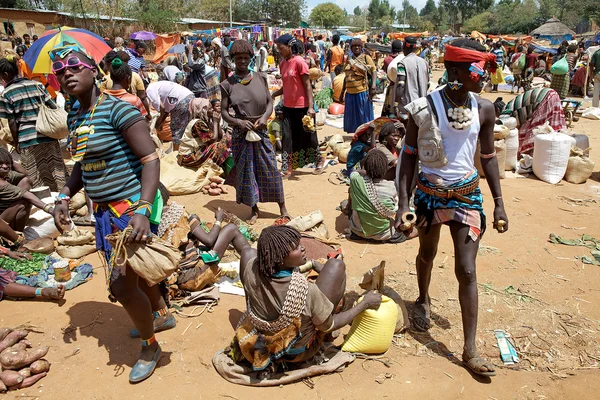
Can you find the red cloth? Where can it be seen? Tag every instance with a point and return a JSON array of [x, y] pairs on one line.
[[550, 110], [530, 60], [294, 92], [458, 54]]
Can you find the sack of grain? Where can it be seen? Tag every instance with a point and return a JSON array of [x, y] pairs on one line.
[[512, 148], [500, 132], [551, 155], [500, 147], [579, 167], [75, 252]]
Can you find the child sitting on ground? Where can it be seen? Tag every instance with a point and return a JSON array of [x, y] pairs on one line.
[[15, 198]]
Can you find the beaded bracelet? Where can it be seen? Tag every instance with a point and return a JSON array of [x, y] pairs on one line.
[[62, 197]]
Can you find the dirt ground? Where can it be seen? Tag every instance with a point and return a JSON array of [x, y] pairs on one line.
[[537, 291]]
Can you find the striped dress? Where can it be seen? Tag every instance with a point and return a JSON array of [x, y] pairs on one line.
[[40, 155]]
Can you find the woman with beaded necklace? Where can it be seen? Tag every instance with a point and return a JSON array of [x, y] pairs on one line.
[[442, 133], [116, 164], [256, 178]]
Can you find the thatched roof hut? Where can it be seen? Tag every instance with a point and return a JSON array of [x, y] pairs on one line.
[[554, 31]]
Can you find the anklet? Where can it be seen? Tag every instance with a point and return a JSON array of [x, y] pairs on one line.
[[161, 313], [149, 342], [38, 292]]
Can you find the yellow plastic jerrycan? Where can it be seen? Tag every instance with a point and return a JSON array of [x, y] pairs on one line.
[[372, 330]]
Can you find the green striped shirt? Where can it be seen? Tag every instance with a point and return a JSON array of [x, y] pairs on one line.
[[20, 101]]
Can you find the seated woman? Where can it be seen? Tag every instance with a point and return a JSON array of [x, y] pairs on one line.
[[288, 316], [15, 198], [389, 136], [206, 136], [373, 201], [361, 144], [533, 108], [8, 286]]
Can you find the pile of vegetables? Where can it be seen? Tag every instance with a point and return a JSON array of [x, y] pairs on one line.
[[216, 186], [324, 98], [24, 267], [21, 366]]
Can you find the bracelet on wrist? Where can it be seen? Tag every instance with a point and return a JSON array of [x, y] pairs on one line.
[[218, 223], [62, 197], [47, 207], [142, 208]]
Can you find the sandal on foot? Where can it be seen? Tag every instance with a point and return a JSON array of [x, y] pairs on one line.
[[142, 370], [474, 365], [168, 324], [421, 317]]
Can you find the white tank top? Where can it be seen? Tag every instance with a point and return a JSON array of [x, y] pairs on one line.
[[459, 145]]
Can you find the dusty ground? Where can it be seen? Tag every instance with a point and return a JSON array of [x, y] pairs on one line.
[[537, 291]]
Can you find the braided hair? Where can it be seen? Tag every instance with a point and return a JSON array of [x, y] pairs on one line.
[[375, 164], [274, 244]]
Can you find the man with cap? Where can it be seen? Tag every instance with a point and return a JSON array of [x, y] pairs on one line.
[[390, 66], [412, 78]]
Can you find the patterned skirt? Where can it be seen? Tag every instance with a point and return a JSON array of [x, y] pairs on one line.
[[299, 148], [432, 210], [561, 83], [255, 174], [45, 166]]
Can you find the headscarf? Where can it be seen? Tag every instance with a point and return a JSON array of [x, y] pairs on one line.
[[171, 72], [199, 108], [217, 42], [479, 58]]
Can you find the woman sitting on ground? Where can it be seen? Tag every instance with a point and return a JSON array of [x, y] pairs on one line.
[[533, 108], [361, 144], [206, 136], [15, 198], [373, 202], [390, 134], [271, 278]]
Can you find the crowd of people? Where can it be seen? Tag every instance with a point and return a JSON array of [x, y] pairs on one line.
[[214, 104]]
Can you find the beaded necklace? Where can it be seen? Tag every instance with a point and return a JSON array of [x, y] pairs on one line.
[[245, 80], [461, 117], [79, 137]]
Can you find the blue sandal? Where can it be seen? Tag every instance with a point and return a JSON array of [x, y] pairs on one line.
[[142, 370]]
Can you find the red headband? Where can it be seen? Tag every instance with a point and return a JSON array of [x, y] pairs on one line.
[[458, 54]]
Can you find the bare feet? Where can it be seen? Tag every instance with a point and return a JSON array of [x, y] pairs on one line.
[[57, 293], [254, 216], [421, 315]]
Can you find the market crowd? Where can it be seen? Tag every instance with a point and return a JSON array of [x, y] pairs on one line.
[[250, 108]]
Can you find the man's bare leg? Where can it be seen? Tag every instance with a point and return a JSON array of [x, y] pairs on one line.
[[465, 255], [428, 245]]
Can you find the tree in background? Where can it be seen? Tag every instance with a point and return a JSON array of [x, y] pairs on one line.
[[357, 12], [378, 10], [327, 15]]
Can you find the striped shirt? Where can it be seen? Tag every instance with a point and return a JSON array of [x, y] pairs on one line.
[[110, 169], [357, 74], [20, 101], [136, 62]]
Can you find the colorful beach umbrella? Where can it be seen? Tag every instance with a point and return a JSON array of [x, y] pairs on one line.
[[38, 59], [143, 35]]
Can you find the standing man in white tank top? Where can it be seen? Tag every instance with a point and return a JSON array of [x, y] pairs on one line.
[[448, 186]]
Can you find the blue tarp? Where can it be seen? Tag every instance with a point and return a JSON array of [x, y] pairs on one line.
[[541, 49], [556, 39]]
